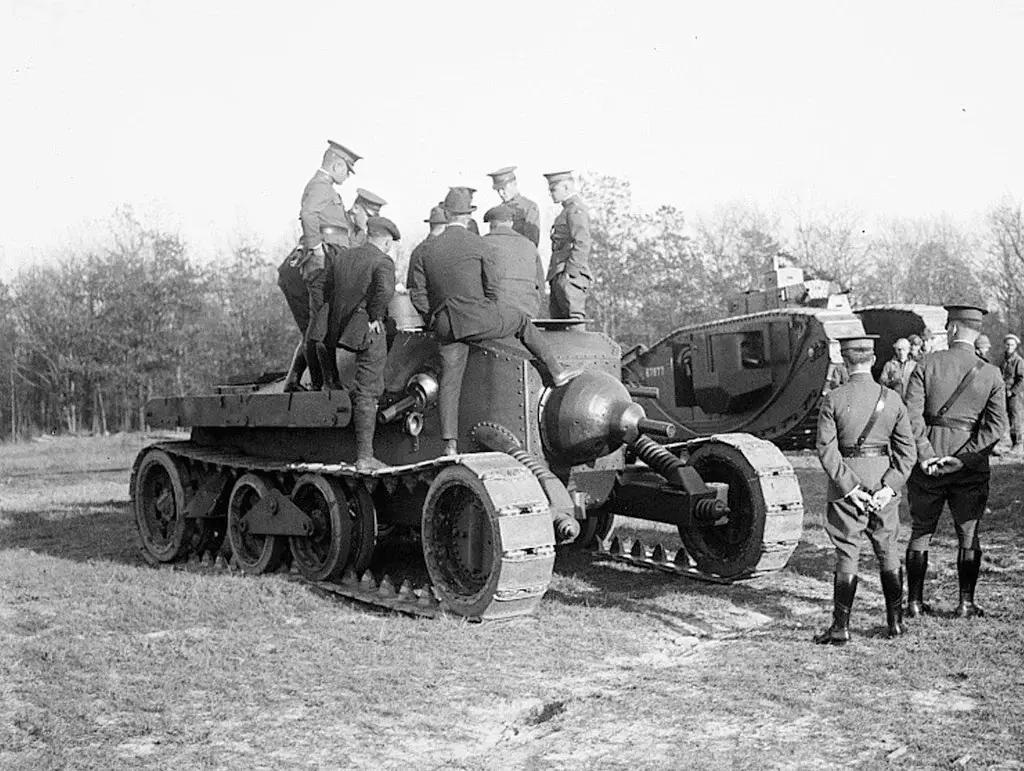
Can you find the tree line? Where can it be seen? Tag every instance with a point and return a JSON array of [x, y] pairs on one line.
[[93, 333]]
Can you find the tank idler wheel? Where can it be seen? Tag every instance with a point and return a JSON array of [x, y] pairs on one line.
[[321, 556], [254, 553], [160, 485], [468, 510], [598, 526], [364, 528]]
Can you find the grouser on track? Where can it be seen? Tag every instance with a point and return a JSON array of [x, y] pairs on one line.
[[269, 477]]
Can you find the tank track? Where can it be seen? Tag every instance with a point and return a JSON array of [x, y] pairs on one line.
[[783, 511], [527, 568]]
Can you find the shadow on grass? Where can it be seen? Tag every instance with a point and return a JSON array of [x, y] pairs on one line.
[[81, 531]]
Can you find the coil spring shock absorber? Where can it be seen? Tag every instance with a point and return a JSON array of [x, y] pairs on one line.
[[669, 466]]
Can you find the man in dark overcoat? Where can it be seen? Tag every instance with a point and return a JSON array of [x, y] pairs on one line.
[[522, 274], [957, 409], [455, 289], [866, 447]]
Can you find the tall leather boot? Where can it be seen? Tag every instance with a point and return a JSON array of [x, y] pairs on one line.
[[892, 590], [364, 418], [292, 381], [844, 589], [917, 567], [535, 343], [328, 367], [316, 373], [968, 565]]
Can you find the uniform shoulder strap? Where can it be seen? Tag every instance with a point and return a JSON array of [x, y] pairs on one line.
[[960, 388], [879, 406]]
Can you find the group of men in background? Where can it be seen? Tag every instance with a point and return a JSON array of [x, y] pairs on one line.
[[339, 281], [930, 425]]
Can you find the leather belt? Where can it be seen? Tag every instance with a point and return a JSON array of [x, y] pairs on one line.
[[327, 230], [865, 451], [962, 424]]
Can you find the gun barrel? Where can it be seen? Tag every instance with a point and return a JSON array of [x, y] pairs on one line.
[[644, 392], [397, 409], [656, 428]]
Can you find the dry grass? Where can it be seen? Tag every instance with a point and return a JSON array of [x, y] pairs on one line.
[[106, 663]]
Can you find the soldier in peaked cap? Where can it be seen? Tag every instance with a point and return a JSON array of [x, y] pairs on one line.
[[455, 288], [957, 409], [366, 205], [569, 270], [522, 274], [437, 220], [525, 213], [866, 447], [304, 275], [364, 283], [1013, 378]]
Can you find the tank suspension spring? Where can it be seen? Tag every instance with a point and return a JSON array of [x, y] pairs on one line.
[[656, 456], [536, 465], [566, 527]]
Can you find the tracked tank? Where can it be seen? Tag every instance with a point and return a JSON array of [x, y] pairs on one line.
[[762, 371], [891, 322], [268, 479]]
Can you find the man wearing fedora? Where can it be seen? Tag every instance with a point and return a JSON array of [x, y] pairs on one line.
[[522, 274], [436, 221], [866, 448], [525, 213], [569, 270], [957, 407], [455, 288], [304, 275]]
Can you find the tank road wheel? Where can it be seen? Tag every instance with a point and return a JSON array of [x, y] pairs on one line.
[[598, 526], [364, 528], [488, 540], [765, 508], [159, 501], [321, 556], [255, 553]]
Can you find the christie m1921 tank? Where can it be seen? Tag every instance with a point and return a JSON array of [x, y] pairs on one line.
[[267, 478], [761, 371]]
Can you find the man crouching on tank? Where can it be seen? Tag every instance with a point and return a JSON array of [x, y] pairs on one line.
[[866, 447], [364, 283], [455, 287]]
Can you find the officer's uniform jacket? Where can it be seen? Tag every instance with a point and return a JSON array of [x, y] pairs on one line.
[[844, 414], [322, 207], [458, 271], [570, 240], [364, 283], [896, 375], [526, 217], [520, 269], [1013, 374], [977, 420]]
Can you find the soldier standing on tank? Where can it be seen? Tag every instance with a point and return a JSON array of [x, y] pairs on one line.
[[366, 205], [866, 447], [522, 274], [437, 220], [305, 273], [1013, 379], [896, 372], [364, 283], [569, 270], [454, 287], [957, 408], [525, 213]]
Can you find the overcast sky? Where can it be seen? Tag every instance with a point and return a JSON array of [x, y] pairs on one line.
[[211, 116]]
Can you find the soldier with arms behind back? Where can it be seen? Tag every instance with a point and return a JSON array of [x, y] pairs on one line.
[[958, 412], [364, 283], [569, 270], [866, 447]]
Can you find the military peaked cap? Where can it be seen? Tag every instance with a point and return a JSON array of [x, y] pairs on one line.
[[349, 156], [503, 175], [964, 313], [558, 176], [459, 201], [366, 198], [857, 343], [437, 216], [500, 213], [382, 226]]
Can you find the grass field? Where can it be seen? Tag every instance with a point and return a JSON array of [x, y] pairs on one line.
[[106, 663]]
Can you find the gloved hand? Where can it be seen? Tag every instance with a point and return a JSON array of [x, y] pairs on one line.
[[860, 498], [882, 497], [376, 327]]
